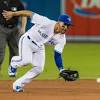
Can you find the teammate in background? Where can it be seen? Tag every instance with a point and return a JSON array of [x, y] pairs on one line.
[[9, 31], [31, 44]]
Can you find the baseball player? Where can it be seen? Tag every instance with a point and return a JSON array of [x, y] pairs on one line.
[[31, 44]]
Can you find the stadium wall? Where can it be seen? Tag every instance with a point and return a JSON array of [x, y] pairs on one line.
[[49, 8], [86, 19]]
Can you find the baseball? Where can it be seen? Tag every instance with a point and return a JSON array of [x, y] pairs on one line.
[[98, 80]]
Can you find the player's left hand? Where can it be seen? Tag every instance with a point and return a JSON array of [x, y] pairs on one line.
[[69, 75]]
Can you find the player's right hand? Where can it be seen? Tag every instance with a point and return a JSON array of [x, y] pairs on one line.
[[7, 14]]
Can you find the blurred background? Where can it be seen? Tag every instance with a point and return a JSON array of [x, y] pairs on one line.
[[82, 50]]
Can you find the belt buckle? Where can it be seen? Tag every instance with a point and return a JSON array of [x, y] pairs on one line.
[[10, 26]]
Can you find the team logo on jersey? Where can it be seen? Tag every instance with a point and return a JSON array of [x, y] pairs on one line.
[[87, 8], [43, 34], [13, 8]]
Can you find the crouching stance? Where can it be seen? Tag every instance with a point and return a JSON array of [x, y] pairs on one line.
[[31, 45]]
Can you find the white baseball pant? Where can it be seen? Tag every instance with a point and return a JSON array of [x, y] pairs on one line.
[[29, 53]]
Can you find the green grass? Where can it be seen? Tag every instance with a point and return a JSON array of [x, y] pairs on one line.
[[84, 57]]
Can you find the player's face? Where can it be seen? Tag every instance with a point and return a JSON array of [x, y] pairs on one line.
[[62, 28]]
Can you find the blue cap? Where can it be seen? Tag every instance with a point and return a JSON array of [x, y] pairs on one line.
[[66, 19]]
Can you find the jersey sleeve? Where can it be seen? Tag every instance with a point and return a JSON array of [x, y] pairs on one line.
[[38, 19], [60, 45]]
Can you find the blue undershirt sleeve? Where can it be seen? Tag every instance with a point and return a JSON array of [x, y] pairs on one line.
[[58, 60]]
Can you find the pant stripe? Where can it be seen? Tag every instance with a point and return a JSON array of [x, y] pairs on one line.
[[21, 52]]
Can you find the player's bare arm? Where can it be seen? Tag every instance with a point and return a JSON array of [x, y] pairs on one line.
[[9, 14], [23, 24]]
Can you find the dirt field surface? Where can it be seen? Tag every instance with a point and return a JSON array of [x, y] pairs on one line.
[[52, 90]]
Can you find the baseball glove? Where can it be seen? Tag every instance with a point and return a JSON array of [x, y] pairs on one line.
[[69, 75]]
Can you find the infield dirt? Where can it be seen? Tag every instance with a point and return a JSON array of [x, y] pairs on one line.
[[52, 90]]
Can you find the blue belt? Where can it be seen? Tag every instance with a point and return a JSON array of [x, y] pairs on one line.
[[32, 40]]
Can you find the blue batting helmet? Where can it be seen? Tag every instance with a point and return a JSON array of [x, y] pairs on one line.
[[65, 18]]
